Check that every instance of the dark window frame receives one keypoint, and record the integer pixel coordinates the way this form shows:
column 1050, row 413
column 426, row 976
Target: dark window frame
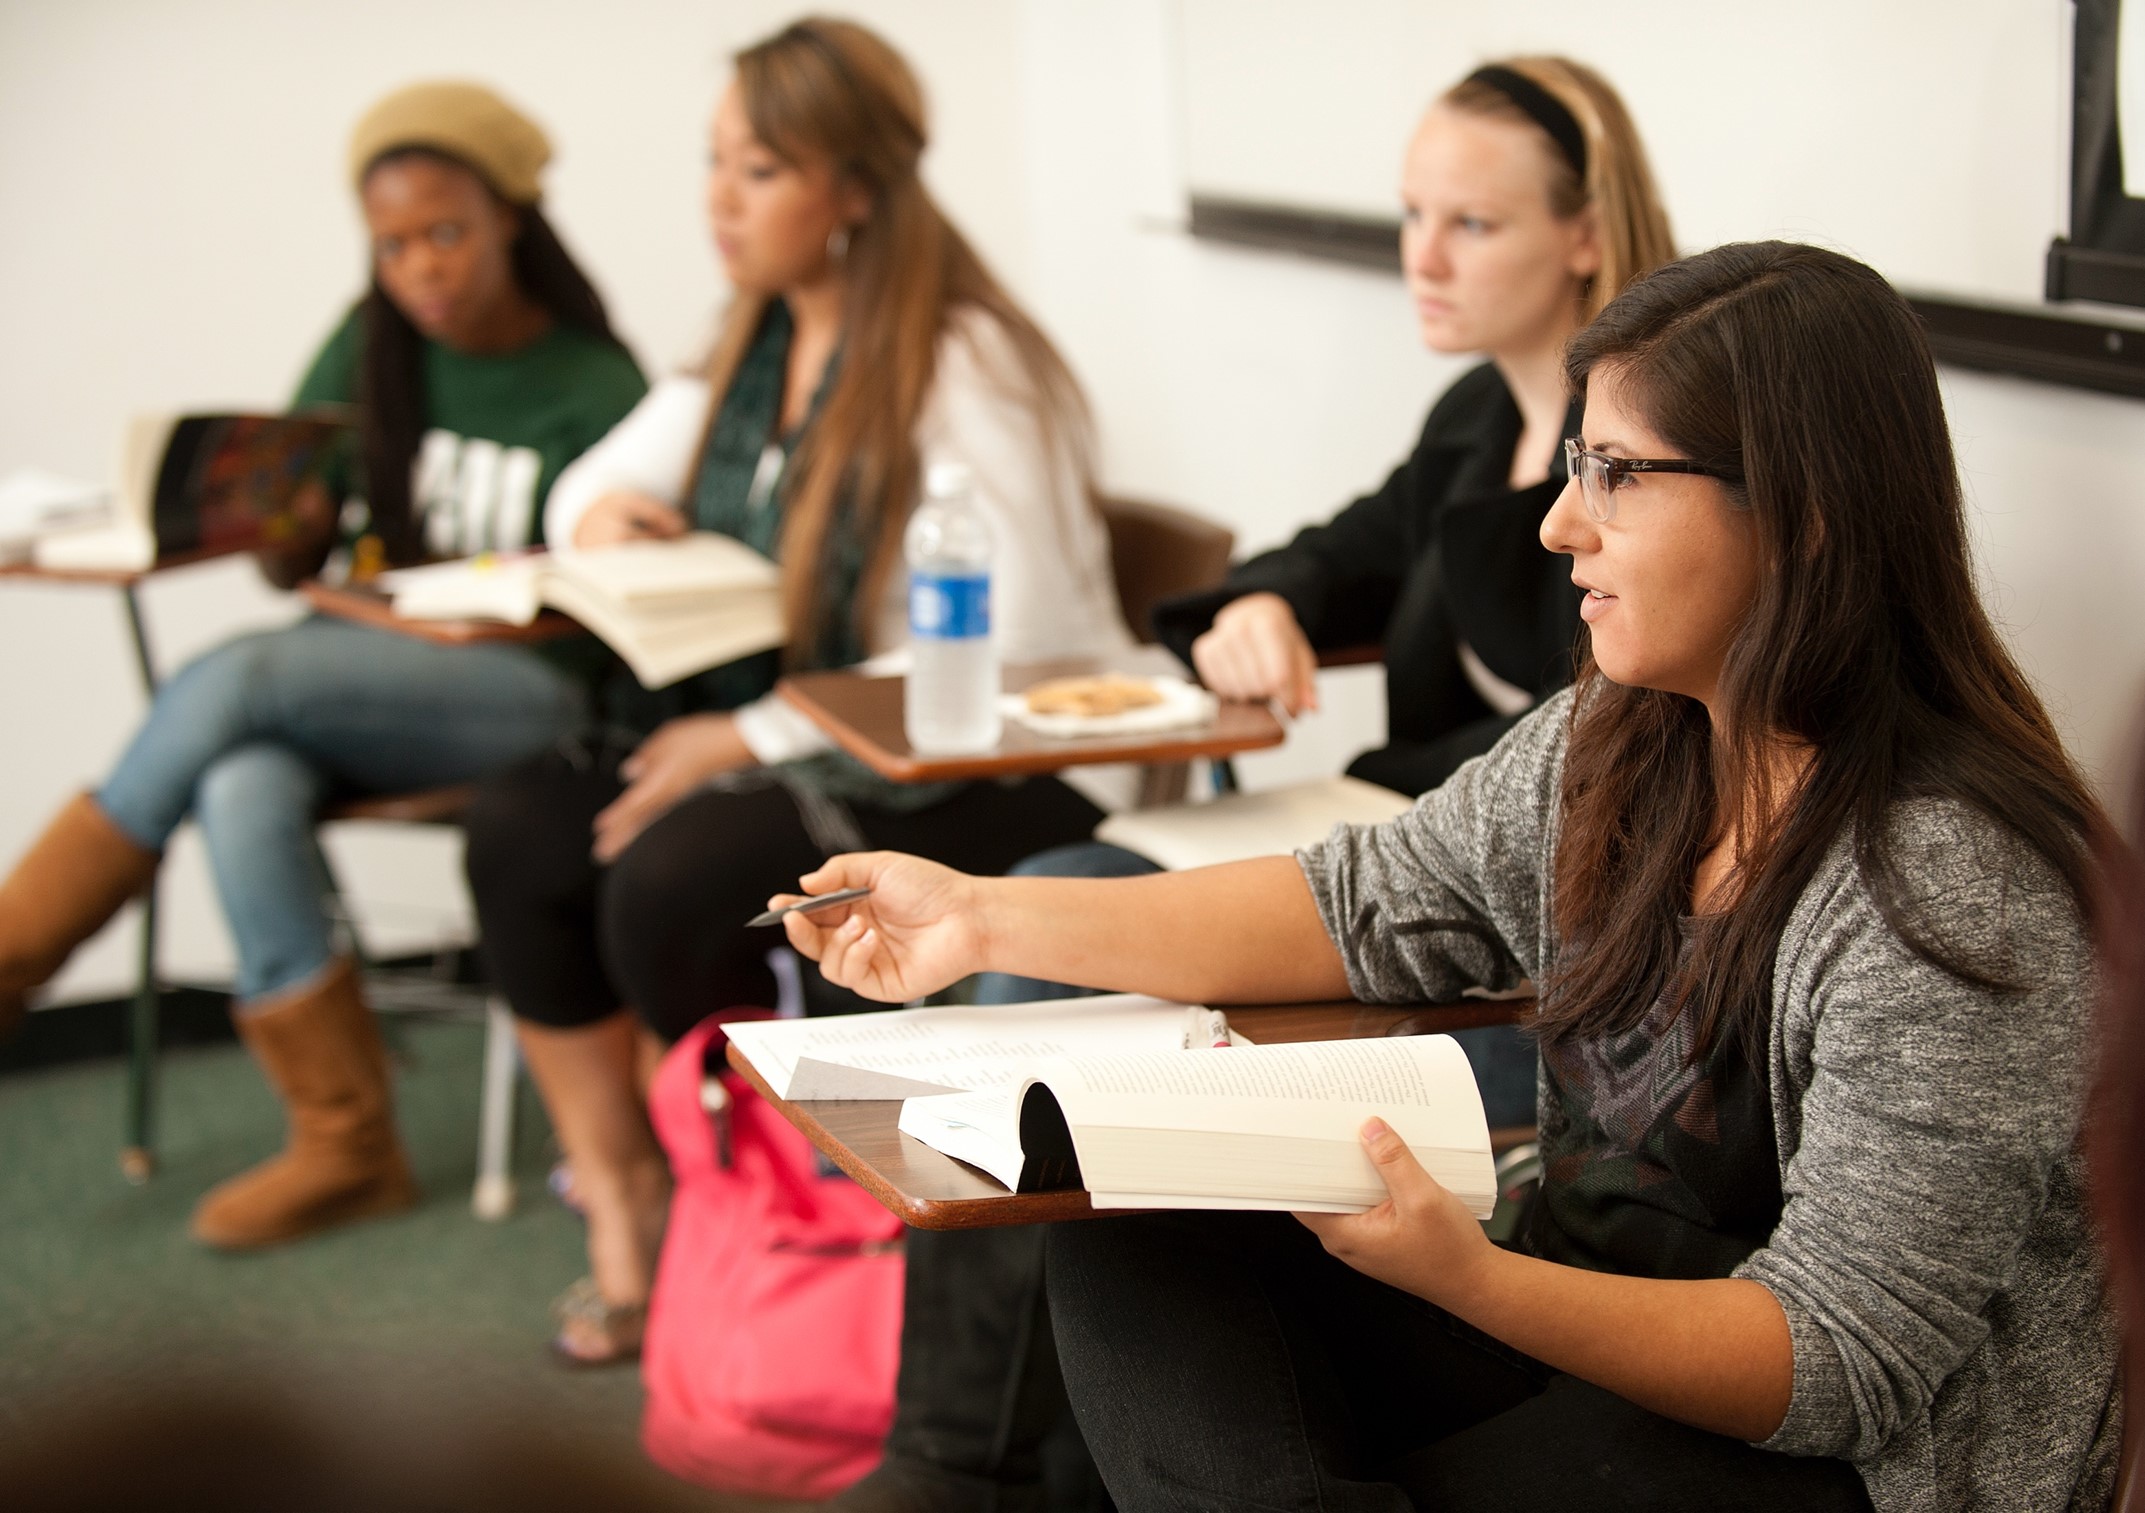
column 2103, row 258
column 2075, row 350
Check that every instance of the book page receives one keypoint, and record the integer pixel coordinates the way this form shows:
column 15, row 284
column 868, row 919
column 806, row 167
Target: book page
column 1274, row 1125
column 1366, row 1069
column 662, row 643
column 34, row 501
column 504, row 586
column 981, row 1128
column 1420, row 1084
column 903, row 1052
column 697, row 564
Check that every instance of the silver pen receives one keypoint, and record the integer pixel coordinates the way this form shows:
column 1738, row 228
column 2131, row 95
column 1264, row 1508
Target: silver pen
column 809, row 906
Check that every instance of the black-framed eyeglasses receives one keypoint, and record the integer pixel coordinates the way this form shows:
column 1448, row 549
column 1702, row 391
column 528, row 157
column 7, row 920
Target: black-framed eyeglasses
column 1601, row 475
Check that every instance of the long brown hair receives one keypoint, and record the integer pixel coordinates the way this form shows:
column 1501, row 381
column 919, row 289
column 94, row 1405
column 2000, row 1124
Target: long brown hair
column 1619, row 183
column 833, row 91
column 391, row 400
column 1803, row 376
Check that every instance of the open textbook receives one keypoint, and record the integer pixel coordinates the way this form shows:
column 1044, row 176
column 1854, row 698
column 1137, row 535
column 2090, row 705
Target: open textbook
column 668, row 608
column 905, row 1051
column 1103, row 1093
column 1243, row 825
column 1263, row 1126
column 196, row 483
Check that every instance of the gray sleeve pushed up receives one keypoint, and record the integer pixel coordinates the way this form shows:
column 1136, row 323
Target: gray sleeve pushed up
column 1454, row 893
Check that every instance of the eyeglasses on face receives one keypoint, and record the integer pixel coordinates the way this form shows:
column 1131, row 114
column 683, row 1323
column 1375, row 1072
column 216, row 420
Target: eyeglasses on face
column 1601, row 475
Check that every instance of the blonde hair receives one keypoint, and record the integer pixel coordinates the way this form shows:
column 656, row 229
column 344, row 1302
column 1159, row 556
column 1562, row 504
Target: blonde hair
column 1619, row 185
column 833, row 91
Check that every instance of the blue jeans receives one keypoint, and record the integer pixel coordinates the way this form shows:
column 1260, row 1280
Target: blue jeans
column 1503, row 1058
column 254, row 737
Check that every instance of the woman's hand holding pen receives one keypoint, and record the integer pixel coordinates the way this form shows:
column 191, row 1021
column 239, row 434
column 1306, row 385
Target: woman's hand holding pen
column 1421, row 1239
column 922, row 928
column 1257, row 651
column 624, row 515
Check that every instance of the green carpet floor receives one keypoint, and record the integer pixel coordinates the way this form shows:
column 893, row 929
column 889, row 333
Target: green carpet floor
column 101, row 1291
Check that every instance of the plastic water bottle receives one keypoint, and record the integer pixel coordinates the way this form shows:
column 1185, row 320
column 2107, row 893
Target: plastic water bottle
column 952, row 700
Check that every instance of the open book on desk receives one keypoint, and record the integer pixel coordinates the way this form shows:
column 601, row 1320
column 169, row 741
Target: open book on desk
column 1250, row 1127
column 901, row 1052
column 668, row 608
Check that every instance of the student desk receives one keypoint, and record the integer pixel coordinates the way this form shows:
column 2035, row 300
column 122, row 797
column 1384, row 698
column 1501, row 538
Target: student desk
column 863, row 716
column 371, row 606
column 135, row 1158
column 365, row 606
column 927, row 1190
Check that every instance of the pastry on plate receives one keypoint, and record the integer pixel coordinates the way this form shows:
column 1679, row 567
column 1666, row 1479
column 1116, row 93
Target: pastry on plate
column 1094, row 696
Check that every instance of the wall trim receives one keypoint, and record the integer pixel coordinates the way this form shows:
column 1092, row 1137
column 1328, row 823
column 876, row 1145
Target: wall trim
column 2073, row 349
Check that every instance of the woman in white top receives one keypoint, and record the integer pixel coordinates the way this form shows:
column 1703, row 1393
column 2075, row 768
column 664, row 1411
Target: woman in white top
column 866, row 341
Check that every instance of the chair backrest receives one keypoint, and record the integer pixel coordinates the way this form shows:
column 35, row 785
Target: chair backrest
column 1157, row 552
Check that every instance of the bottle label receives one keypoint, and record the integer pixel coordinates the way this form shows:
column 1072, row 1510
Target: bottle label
column 950, row 606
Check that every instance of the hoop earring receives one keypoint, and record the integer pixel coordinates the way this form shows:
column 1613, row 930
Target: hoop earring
column 838, row 245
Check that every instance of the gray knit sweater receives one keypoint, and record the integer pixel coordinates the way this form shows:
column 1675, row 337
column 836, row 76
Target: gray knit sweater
column 1934, row 1258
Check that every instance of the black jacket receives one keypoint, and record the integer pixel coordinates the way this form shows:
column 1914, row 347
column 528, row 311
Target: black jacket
column 1444, row 552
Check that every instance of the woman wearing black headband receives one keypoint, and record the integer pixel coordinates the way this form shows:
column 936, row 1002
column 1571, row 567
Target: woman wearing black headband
column 1529, row 205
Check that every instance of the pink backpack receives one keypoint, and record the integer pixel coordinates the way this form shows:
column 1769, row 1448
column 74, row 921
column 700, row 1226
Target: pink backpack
column 774, row 1330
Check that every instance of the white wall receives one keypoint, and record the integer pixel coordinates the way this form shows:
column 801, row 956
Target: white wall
column 1266, row 389
column 179, row 234
column 1928, row 137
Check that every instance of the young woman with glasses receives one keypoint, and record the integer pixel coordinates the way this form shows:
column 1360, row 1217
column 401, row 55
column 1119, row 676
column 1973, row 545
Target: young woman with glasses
column 1528, row 203
column 1802, row 873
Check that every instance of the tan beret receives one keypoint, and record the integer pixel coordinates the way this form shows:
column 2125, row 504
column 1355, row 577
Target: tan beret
column 465, row 121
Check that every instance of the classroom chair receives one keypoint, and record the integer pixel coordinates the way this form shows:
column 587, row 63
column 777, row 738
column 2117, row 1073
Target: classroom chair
column 1156, row 553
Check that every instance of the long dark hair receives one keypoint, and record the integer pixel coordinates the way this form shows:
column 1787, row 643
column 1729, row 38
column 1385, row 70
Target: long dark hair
column 391, row 373
column 1804, row 376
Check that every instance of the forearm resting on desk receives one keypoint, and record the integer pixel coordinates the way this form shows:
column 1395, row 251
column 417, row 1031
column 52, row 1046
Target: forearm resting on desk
column 1243, row 933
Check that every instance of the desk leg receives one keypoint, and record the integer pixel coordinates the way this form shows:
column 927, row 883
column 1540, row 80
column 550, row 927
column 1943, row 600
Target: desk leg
column 137, row 1158
column 493, row 1197
column 1164, row 783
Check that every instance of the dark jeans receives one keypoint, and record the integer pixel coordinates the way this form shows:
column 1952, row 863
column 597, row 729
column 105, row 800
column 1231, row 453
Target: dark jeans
column 1222, row 1361
column 568, row 941
column 980, row 1419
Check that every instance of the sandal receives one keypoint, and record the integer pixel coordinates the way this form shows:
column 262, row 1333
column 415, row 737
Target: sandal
column 594, row 1332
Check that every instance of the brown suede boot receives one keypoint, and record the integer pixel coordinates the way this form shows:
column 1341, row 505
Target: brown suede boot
column 322, row 1052
column 73, row 878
